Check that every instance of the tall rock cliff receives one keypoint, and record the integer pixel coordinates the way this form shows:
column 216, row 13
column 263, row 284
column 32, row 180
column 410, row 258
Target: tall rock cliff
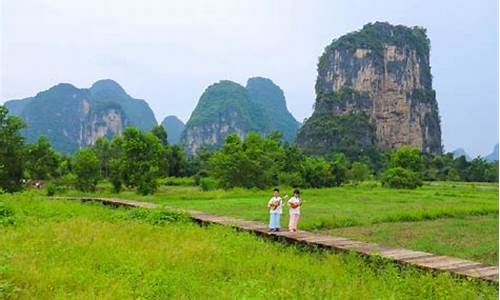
column 227, row 107
column 174, row 128
column 223, row 108
column 72, row 118
column 374, row 90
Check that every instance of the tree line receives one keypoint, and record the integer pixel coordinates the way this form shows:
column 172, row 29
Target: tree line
column 137, row 160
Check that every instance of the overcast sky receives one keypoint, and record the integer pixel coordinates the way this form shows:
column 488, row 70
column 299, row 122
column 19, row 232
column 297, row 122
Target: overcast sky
column 168, row 52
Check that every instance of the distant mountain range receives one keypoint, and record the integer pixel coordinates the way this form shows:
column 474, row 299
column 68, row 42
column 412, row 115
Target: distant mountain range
column 493, row 156
column 72, row 117
column 227, row 107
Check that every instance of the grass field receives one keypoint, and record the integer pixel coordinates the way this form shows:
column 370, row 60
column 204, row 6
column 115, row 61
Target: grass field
column 463, row 215
column 61, row 250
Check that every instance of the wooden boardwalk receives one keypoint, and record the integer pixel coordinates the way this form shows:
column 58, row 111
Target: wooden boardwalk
column 423, row 260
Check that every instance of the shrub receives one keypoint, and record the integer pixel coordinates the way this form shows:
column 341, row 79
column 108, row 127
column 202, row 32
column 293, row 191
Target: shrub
column 293, row 179
column 401, row 178
column 359, row 172
column 176, row 181
column 6, row 215
column 51, row 189
column 67, row 181
column 157, row 216
column 208, row 183
column 87, row 169
column 148, row 185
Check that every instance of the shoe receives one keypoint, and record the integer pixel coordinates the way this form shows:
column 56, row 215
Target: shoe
column 277, row 230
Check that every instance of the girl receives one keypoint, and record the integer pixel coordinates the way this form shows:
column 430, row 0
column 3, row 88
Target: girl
column 275, row 211
column 294, row 203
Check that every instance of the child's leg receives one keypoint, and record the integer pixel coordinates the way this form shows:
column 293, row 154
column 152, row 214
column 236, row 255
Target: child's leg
column 271, row 221
column 278, row 223
column 294, row 218
column 296, row 221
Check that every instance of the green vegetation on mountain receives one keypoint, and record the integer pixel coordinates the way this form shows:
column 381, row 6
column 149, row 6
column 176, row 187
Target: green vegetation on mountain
column 271, row 99
column 72, row 118
column 227, row 107
column 174, row 128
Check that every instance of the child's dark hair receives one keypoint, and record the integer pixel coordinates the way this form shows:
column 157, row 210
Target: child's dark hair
column 296, row 191
column 276, row 190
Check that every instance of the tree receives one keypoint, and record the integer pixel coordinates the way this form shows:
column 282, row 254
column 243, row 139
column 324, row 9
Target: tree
column 340, row 167
column 42, row 161
column 102, row 148
column 160, row 132
column 317, row 172
column 86, row 167
column 141, row 154
column 400, row 178
column 408, row 158
column 11, row 151
column 177, row 163
column 359, row 172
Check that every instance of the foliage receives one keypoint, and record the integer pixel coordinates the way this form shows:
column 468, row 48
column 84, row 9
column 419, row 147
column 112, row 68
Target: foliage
column 11, row 152
column 401, row 178
column 161, row 133
column 177, row 181
column 408, row 158
column 358, row 172
column 42, row 161
column 6, row 215
column 340, row 167
column 86, row 166
column 51, row 189
column 317, row 172
column 208, row 183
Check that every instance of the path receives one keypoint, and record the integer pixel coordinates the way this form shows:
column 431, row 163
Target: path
column 423, row 260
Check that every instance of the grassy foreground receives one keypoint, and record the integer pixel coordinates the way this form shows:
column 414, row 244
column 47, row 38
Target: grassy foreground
column 448, row 218
column 61, row 249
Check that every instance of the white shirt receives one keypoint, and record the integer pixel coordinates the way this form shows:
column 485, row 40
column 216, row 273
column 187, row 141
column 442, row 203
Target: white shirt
column 278, row 209
column 297, row 201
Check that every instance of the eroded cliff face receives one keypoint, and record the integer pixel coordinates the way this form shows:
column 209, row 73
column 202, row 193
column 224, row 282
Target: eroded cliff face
column 72, row 118
column 213, row 134
column 385, row 77
column 102, row 124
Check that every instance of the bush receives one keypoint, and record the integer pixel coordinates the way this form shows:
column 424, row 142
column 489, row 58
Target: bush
column 6, row 215
column 176, row 181
column 293, row 179
column 147, row 186
column 51, row 189
column 208, row 183
column 67, row 181
column 401, row 178
column 87, row 169
column 359, row 172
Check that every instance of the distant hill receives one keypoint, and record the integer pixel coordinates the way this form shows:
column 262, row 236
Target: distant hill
column 460, row 152
column 174, row 128
column 71, row 117
column 227, row 107
column 271, row 99
column 493, row 156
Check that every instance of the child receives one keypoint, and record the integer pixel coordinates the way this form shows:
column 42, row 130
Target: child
column 275, row 211
column 295, row 203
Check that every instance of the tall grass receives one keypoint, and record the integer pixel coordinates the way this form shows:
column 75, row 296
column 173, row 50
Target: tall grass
column 65, row 250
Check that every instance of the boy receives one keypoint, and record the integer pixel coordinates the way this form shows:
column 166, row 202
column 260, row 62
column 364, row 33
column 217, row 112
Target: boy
column 275, row 211
column 294, row 203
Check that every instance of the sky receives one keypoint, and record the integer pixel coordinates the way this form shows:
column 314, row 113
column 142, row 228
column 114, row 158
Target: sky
column 168, row 52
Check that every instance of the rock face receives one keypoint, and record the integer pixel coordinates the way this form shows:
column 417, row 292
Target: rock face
column 72, row 118
column 174, row 128
column 374, row 90
column 227, row 107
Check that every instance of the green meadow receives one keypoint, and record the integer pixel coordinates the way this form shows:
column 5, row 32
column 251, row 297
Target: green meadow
column 61, row 249
column 448, row 218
